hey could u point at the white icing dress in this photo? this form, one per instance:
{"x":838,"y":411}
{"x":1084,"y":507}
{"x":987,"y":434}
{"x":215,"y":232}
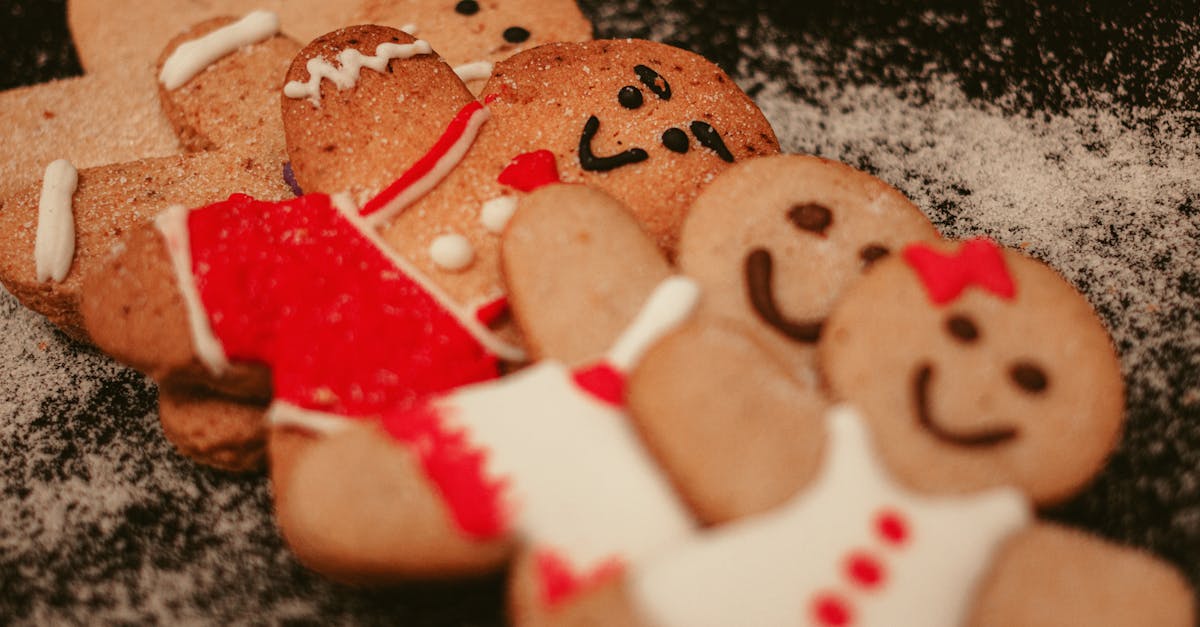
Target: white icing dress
{"x":852,"y":549}
{"x":568,"y":470}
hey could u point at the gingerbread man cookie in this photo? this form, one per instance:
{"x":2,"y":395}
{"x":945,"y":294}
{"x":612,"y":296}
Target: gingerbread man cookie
{"x":962,"y":369}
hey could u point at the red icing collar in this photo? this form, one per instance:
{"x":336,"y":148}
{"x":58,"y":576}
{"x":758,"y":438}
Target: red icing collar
{"x":602,"y":381}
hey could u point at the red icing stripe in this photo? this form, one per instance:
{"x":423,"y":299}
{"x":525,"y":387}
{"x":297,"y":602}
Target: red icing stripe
{"x":529,"y":171}
{"x":559,"y":582}
{"x":455,"y":466}
{"x":602,"y":381}
{"x":296,"y":286}
{"x":425,"y":164}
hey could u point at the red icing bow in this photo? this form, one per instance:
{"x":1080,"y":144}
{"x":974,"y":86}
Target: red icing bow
{"x":978,"y":262}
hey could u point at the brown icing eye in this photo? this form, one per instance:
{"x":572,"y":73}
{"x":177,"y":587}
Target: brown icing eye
{"x":1029,"y":377}
{"x":811,"y":217}
{"x":872,"y":253}
{"x":962,"y":328}
{"x":515,"y":34}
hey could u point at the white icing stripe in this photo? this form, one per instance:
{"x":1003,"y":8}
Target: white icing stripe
{"x":496,"y":213}
{"x":452,"y":252}
{"x":54,"y":248}
{"x":283,"y":414}
{"x":411,"y":29}
{"x":667,"y":308}
{"x":476,"y":70}
{"x":172,"y":224}
{"x":350,"y":65}
{"x":444,"y":166}
{"x":468,"y":320}
{"x":190,"y":58}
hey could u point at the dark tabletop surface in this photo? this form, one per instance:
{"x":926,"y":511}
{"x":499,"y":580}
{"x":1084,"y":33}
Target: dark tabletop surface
{"x":1072,"y":132}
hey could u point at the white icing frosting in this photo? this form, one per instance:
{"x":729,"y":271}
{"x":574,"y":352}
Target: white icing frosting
{"x":496,"y":213}
{"x":452,"y":252}
{"x":411,"y":29}
{"x":666,"y":309}
{"x":190,"y":58}
{"x":577,"y":477}
{"x":489,"y":340}
{"x":172,"y":224}
{"x":54,"y":246}
{"x":444,"y":166}
{"x":284,"y":414}
{"x":476,"y":70}
{"x":350,"y":65}
{"x":769,"y":569}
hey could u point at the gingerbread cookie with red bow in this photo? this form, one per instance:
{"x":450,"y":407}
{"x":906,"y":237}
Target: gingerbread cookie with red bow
{"x":975,"y":386}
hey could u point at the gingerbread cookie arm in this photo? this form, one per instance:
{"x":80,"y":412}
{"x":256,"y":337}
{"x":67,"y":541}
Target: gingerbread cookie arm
{"x":409,"y":532}
{"x":724,"y":419}
{"x":1049,"y":575}
{"x":219,"y":83}
{"x":572,"y":253}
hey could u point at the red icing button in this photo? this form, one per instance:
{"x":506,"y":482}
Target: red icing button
{"x":831,"y":611}
{"x":892,"y":527}
{"x":529,"y":171}
{"x":864,"y":570}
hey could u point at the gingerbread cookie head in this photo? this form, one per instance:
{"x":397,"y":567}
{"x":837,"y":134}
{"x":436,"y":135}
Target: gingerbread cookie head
{"x":976,"y":367}
{"x":775,"y":241}
{"x":472,"y":36}
{"x":439,"y":173}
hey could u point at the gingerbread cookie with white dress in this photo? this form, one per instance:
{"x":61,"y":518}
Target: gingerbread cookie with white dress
{"x":963,"y":369}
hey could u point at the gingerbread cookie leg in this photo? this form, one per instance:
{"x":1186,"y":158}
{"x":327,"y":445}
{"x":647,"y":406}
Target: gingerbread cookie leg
{"x":219,"y":431}
{"x":1049,"y":575}
{"x":400,"y":528}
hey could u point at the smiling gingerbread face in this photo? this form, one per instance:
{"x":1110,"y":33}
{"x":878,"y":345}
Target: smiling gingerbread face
{"x":977,"y":367}
{"x":473,"y":34}
{"x":776,"y":240}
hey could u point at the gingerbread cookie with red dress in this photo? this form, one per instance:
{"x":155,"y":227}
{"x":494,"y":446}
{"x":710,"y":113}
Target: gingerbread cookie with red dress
{"x":961,"y":371}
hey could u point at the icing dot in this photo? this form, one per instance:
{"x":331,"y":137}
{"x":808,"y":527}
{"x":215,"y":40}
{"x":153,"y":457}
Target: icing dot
{"x":892,"y":527}
{"x":831,"y":611}
{"x":467,"y":7}
{"x":864,"y":570}
{"x":675,"y":140}
{"x":630,"y":97}
{"x":452,"y":252}
{"x":515,"y":34}
{"x":496,"y":212}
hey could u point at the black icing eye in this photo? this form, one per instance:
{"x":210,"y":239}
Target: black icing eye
{"x":467,"y":7}
{"x":515,"y":34}
{"x":872,"y":253}
{"x":962,"y":329}
{"x":653,"y":81}
{"x":811,"y":217}
{"x":1029,"y":377}
{"x":630,"y":97}
{"x":675,"y":140}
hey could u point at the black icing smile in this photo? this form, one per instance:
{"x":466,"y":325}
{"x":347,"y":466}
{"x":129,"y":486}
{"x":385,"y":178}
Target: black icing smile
{"x":759,"y":266}
{"x":592,"y":163}
{"x":978,"y":439}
